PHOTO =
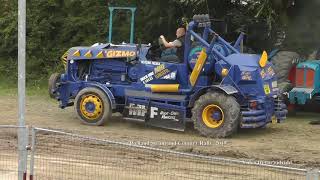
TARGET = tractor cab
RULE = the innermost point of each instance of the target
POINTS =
(160, 53)
(307, 82)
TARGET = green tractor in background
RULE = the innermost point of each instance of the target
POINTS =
(298, 79)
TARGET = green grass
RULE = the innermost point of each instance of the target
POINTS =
(9, 88)
(36, 81)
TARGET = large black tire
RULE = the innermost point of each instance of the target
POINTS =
(52, 84)
(283, 62)
(99, 99)
(231, 111)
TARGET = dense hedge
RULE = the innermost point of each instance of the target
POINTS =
(55, 25)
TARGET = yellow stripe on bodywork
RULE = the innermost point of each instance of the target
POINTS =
(164, 87)
(76, 54)
(88, 54)
(100, 55)
(64, 59)
(198, 67)
(65, 56)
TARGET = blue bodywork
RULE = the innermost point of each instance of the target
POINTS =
(126, 71)
(309, 88)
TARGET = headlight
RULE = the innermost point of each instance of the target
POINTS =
(224, 72)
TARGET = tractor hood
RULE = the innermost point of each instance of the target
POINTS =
(246, 60)
(250, 77)
(103, 51)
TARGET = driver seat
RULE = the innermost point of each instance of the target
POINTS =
(170, 55)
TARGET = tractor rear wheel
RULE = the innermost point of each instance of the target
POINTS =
(283, 62)
(216, 115)
(93, 106)
(52, 84)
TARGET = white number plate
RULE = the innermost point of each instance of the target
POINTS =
(274, 84)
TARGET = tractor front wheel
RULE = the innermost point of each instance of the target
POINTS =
(216, 115)
(93, 106)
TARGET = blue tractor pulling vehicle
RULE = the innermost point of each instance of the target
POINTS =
(214, 86)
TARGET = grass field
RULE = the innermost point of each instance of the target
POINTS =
(35, 88)
(295, 140)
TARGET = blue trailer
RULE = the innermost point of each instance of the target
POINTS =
(214, 86)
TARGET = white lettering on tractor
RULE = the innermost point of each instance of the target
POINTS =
(169, 115)
(153, 112)
(151, 63)
(137, 110)
(147, 78)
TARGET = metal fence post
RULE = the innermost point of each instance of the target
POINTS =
(33, 148)
(313, 174)
(21, 88)
(23, 135)
(25, 152)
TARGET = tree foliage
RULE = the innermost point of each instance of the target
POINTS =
(53, 26)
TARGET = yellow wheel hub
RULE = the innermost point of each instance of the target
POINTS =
(212, 116)
(91, 106)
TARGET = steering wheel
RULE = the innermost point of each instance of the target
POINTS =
(161, 45)
(214, 38)
(154, 53)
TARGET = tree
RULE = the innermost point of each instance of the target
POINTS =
(56, 25)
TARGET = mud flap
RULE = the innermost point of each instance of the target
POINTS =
(168, 118)
(155, 114)
(156, 109)
(136, 111)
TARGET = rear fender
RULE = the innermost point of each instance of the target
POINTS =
(229, 90)
(105, 90)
